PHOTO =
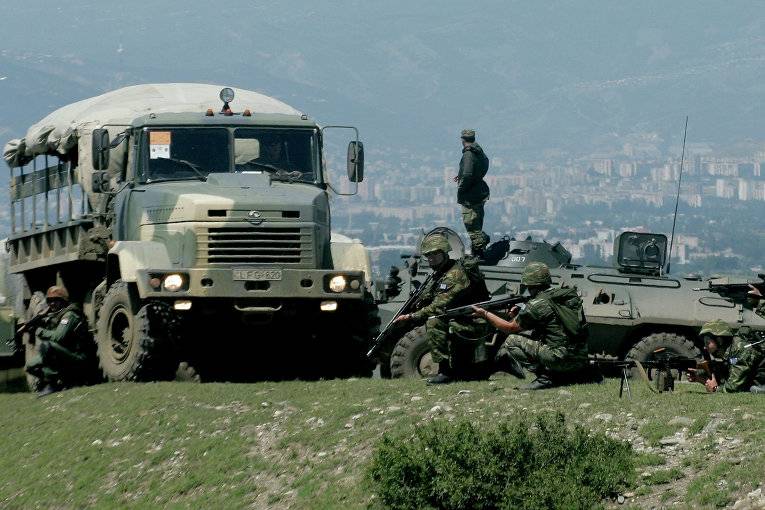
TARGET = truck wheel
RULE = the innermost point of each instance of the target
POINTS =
(352, 361)
(411, 356)
(133, 343)
(673, 343)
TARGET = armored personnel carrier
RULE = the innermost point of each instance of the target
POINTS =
(633, 308)
(192, 231)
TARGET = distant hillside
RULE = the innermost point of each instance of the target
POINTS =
(564, 77)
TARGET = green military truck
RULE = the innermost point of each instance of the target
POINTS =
(193, 226)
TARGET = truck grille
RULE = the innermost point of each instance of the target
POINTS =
(255, 245)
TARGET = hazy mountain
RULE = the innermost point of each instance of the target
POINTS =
(564, 77)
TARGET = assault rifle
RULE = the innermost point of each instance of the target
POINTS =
(492, 304)
(29, 326)
(737, 292)
(659, 370)
(405, 308)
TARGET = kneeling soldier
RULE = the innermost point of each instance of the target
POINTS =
(62, 341)
(556, 350)
(450, 287)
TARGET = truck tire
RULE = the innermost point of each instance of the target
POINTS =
(133, 343)
(678, 345)
(411, 356)
(363, 327)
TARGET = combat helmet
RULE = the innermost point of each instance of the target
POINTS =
(57, 292)
(716, 328)
(434, 243)
(536, 274)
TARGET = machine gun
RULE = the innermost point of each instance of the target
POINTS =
(29, 326)
(406, 308)
(737, 292)
(659, 370)
(492, 304)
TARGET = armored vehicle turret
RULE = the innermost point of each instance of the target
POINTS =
(193, 231)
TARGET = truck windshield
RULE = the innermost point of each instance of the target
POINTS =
(193, 153)
(285, 154)
(187, 153)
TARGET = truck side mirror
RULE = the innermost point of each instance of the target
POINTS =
(100, 149)
(356, 161)
(100, 182)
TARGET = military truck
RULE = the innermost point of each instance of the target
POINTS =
(194, 231)
(633, 308)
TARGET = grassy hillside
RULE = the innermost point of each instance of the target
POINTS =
(308, 444)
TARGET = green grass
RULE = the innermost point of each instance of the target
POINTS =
(308, 444)
(663, 476)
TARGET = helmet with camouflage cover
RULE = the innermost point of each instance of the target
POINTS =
(434, 243)
(716, 328)
(57, 292)
(535, 274)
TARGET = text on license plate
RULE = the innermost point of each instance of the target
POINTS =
(257, 274)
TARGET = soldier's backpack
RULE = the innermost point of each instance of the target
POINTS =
(478, 290)
(568, 307)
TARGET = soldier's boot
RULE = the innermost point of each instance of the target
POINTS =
(504, 362)
(47, 390)
(444, 375)
(757, 389)
(540, 383)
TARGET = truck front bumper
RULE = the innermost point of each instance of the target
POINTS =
(252, 283)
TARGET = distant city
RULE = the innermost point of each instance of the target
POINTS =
(583, 203)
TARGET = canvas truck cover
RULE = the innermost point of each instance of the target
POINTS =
(58, 133)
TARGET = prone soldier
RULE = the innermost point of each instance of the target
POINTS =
(452, 285)
(556, 350)
(743, 354)
(62, 342)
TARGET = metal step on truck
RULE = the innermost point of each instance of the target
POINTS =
(192, 224)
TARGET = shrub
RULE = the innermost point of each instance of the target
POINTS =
(518, 465)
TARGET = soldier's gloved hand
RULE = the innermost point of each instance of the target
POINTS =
(711, 385)
(697, 375)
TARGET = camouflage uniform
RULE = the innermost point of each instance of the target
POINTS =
(551, 349)
(472, 191)
(63, 349)
(450, 287)
(743, 355)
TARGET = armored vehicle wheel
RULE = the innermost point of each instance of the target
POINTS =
(671, 343)
(133, 340)
(411, 356)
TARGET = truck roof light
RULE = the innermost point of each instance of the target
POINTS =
(209, 112)
(247, 113)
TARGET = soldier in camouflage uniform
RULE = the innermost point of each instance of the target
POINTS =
(556, 350)
(63, 348)
(472, 190)
(756, 301)
(449, 287)
(743, 353)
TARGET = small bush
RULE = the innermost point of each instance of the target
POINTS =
(509, 466)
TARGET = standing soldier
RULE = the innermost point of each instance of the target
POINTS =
(556, 350)
(756, 301)
(62, 342)
(452, 285)
(743, 354)
(472, 190)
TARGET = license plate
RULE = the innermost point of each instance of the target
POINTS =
(257, 275)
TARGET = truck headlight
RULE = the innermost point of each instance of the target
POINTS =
(337, 283)
(173, 282)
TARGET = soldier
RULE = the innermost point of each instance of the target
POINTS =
(472, 190)
(744, 355)
(556, 350)
(756, 301)
(450, 286)
(63, 351)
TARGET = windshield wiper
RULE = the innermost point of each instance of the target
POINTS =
(263, 165)
(197, 169)
(166, 179)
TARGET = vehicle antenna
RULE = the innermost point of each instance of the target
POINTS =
(677, 197)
